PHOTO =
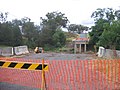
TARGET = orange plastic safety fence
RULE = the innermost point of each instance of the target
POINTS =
(68, 75)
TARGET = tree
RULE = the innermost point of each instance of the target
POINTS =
(117, 14)
(59, 38)
(50, 26)
(30, 33)
(17, 22)
(10, 34)
(17, 35)
(54, 20)
(105, 13)
(101, 17)
(3, 17)
(77, 28)
(106, 31)
(110, 37)
(97, 31)
(6, 34)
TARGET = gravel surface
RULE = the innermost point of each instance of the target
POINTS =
(60, 56)
(8, 86)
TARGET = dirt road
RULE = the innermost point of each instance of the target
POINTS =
(60, 56)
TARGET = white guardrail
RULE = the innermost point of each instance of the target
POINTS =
(6, 51)
(9, 51)
(107, 53)
(101, 52)
(21, 50)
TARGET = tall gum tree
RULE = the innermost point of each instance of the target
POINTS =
(107, 28)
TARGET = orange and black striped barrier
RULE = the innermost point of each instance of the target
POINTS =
(66, 74)
(23, 65)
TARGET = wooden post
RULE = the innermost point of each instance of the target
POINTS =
(95, 49)
(43, 81)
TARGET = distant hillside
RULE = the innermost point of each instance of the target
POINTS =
(69, 38)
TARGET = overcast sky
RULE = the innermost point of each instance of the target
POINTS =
(77, 11)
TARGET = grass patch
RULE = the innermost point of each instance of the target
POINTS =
(3, 46)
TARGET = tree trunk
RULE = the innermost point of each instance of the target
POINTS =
(114, 52)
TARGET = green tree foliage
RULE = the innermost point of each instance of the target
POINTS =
(105, 13)
(50, 26)
(17, 36)
(30, 32)
(54, 20)
(77, 28)
(10, 34)
(9, 31)
(110, 37)
(59, 38)
(46, 37)
(6, 34)
(97, 31)
(106, 29)
(3, 17)
(19, 32)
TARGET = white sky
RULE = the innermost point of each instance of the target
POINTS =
(77, 11)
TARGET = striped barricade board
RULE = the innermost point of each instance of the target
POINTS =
(23, 65)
